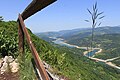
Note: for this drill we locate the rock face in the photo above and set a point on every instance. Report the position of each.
(8, 63)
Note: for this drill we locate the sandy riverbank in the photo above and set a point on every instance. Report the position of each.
(99, 51)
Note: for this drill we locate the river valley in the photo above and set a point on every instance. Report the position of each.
(89, 54)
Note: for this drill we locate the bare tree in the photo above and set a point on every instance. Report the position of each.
(95, 20)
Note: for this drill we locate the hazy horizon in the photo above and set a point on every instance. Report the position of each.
(76, 28)
(62, 15)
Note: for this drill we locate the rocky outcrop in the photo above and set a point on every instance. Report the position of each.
(8, 63)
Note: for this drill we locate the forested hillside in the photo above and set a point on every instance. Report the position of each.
(67, 62)
(106, 38)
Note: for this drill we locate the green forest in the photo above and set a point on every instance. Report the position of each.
(67, 62)
(110, 43)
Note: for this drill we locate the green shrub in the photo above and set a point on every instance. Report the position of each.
(8, 46)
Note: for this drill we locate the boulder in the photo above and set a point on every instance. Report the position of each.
(4, 68)
(14, 66)
(8, 59)
(8, 62)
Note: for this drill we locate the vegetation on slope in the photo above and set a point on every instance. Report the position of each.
(9, 46)
(65, 61)
(110, 43)
(8, 39)
(79, 67)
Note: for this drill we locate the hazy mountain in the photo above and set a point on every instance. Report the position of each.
(108, 38)
(80, 32)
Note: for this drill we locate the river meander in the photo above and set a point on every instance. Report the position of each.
(62, 43)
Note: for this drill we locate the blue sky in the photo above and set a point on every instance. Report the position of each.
(62, 15)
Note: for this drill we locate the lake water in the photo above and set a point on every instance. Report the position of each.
(90, 54)
(62, 43)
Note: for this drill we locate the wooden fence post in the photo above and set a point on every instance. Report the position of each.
(34, 52)
(21, 39)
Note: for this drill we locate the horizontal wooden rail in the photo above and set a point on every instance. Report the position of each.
(38, 61)
(35, 6)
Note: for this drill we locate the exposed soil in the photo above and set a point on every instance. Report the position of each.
(8, 69)
(9, 76)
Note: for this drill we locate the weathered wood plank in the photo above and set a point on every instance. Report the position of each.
(21, 39)
(36, 57)
(35, 6)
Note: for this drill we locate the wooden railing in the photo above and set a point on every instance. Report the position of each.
(35, 6)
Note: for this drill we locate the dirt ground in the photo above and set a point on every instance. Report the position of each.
(9, 76)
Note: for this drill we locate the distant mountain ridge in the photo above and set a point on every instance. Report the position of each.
(81, 32)
(61, 33)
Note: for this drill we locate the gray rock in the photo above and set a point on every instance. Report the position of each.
(8, 59)
(14, 66)
(4, 67)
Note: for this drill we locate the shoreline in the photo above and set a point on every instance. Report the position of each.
(92, 58)
(101, 60)
(99, 51)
